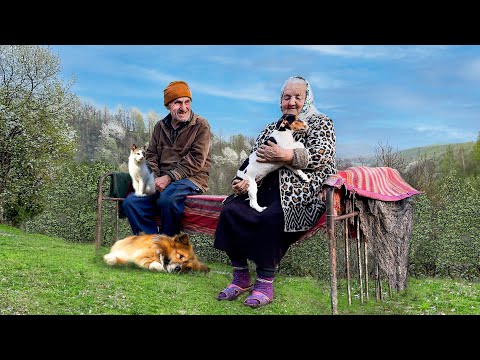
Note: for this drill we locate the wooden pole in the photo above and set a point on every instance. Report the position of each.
(331, 248)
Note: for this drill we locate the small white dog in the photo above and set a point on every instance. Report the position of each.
(254, 171)
(143, 180)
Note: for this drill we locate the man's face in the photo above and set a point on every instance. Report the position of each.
(180, 109)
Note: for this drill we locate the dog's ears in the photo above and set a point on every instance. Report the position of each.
(159, 237)
(289, 118)
(286, 118)
(182, 239)
(133, 147)
(280, 123)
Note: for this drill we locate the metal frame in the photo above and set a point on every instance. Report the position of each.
(362, 259)
(100, 198)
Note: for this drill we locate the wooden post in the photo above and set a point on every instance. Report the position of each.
(116, 220)
(98, 240)
(347, 262)
(359, 257)
(365, 256)
(331, 247)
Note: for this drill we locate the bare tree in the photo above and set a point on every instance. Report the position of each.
(422, 174)
(343, 164)
(362, 160)
(385, 155)
(152, 118)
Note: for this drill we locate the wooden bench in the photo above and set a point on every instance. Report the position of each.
(200, 215)
(202, 212)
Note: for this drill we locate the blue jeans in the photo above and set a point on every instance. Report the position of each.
(169, 204)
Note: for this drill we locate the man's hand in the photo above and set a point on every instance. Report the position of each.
(162, 182)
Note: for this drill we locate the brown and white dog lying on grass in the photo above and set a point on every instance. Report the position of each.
(156, 252)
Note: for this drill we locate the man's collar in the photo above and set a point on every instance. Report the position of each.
(168, 120)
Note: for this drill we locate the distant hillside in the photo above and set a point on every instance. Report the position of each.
(434, 151)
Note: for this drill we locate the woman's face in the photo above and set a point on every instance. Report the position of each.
(293, 98)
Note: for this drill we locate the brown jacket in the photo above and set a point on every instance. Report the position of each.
(187, 156)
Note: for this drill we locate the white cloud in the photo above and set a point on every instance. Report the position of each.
(322, 81)
(445, 132)
(147, 74)
(472, 70)
(255, 93)
(372, 51)
(224, 60)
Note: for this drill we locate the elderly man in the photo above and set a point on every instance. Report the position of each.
(179, 156)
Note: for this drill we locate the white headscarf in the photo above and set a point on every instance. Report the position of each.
(308, 108)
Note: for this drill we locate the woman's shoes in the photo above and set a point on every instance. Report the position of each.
(257, 299)
(232, 291)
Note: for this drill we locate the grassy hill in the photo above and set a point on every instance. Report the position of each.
(435, 151)
(431, 151)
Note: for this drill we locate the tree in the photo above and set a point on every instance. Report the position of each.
(422, 174)
(88, 122)
(34, 134)
(343, 164)
(152, 119)
(385, 155)
(140, 132)
(476, 150)
(448, 163)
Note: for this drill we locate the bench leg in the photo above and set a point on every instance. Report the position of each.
(331, 246)
(116, 220)
(98, 240)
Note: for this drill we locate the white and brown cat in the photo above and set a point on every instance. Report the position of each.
(143, 180)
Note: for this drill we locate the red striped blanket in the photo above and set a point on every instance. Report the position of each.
(202, 213)
(381, 183)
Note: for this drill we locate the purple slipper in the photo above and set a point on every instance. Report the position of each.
(232, 291)
(257, 299)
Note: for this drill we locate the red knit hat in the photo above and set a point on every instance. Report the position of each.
(175, 90)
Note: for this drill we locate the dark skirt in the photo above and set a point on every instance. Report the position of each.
(244, 233)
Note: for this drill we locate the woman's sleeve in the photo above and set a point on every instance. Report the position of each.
(320, 146)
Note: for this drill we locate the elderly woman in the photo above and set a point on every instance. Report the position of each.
(293, 206)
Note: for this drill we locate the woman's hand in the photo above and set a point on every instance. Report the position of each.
(240, 187)
(271, 152)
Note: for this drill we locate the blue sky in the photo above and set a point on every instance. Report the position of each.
(406, 96)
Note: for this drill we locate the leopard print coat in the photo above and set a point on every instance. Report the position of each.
(302, 206)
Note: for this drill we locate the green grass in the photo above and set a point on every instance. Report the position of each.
(45, 275)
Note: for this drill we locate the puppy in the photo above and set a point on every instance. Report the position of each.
(143, 180)
(254, 171)
(157, 253)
